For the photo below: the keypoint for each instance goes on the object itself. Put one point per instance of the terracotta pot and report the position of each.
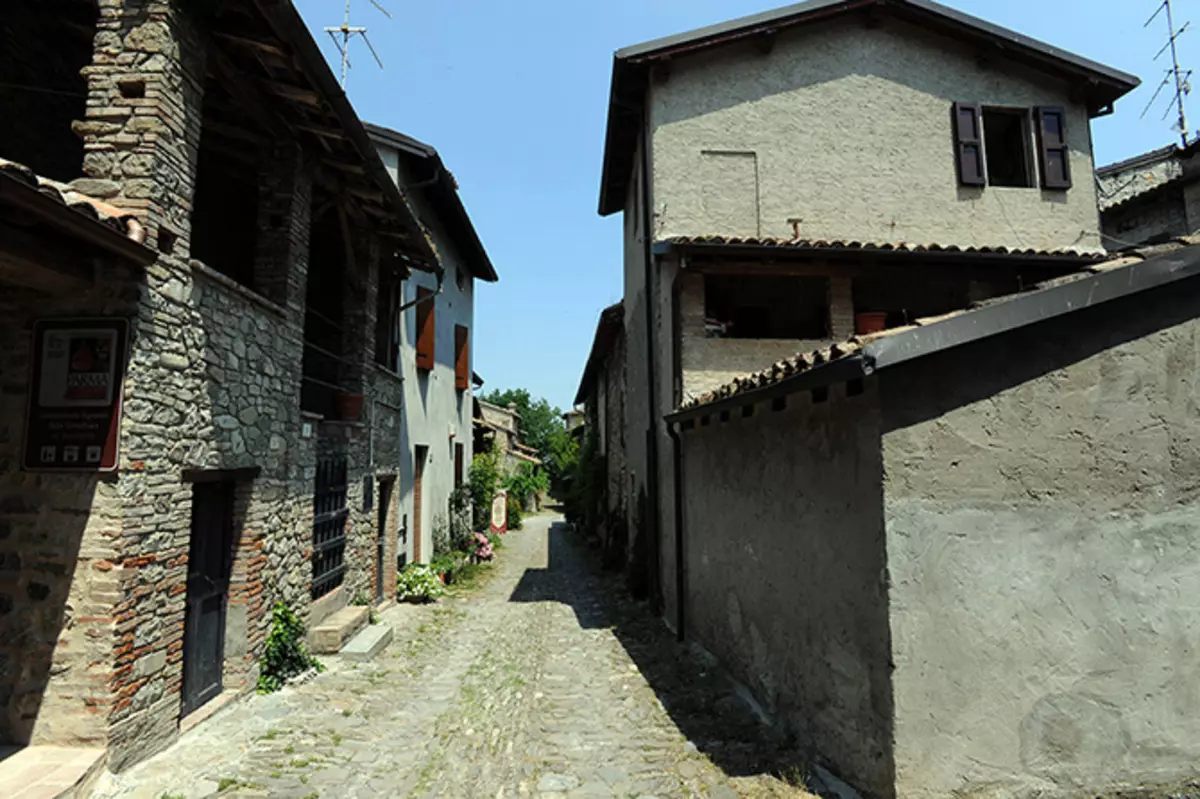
(869, 322)
(349, 407)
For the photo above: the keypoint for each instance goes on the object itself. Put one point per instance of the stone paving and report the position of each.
(543, 682)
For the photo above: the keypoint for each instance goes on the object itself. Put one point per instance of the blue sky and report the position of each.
(514, 94)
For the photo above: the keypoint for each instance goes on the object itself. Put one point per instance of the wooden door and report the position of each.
(421, 454)
(386, 487)
(209, 562)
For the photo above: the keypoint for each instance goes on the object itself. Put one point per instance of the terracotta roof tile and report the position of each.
(871, 246)
(116, 218)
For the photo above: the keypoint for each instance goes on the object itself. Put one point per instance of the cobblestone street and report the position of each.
(543, 682)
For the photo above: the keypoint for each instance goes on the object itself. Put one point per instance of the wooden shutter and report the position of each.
(462, 360)
(968, 140)
(426, 327)
(1054, 156)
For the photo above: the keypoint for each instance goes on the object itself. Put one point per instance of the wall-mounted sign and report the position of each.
(74, 418)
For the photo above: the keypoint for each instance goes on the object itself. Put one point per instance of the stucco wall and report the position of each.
(436, 414)
(848, 128)
(637, 391)
(1157, 216)
(1044, 554)
(785, 571)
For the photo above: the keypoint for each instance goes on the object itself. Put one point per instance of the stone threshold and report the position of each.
(209, 709)
(49, 772)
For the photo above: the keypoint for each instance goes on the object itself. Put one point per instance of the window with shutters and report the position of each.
(994, 146)
(462, 358)
(426, 329)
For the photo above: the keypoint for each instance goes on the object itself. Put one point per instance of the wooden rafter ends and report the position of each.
(254, 44)
(327, 133)
(290, 92)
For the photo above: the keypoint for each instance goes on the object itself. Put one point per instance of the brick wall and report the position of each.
(59, 549)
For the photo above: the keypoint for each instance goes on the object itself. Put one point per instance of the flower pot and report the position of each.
(349, 406)
(869, 322)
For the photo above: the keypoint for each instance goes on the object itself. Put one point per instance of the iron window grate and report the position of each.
(330, 514)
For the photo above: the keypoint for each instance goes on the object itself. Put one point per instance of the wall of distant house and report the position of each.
(1044, 554)
(436, 414)
(785, 572)
(1157, 217)
(847, 128)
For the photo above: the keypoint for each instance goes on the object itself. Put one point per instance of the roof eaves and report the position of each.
(73, 214)
(446, 197)
(612, 319)
(286, 22)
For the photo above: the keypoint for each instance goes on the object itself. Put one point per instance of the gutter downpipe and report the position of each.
(680, 568)
(656, 599)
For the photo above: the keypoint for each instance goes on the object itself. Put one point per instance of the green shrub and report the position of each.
(441, 534)
(461, 520)
(286, 654)
(482, 480)
(418, 583)
(515, 513)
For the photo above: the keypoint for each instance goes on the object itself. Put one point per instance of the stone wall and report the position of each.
(1042, 549)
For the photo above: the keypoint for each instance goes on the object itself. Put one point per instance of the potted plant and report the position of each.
(868, 322)
(349, 406)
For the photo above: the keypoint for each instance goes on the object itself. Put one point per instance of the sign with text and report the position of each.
(74, 418)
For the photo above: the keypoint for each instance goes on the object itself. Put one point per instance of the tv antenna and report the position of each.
(1182, 78)
(342, 35)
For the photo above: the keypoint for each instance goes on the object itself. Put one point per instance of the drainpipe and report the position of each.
(651, 360)
(680, 567)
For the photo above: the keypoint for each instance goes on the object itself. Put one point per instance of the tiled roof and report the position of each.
(871, 246)
(118, 219)
(803, 362)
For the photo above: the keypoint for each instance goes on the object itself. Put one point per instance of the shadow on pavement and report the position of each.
(701, 700)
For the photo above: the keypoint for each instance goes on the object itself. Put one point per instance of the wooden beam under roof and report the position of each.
(289, 91)
(253, 44)
(251, 101)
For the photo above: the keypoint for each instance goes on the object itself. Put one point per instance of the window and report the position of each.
(993, 146)
(387, 320)
(426, 330)
(460, 458)
(1006, 147)
(762, 307)
(462, 358)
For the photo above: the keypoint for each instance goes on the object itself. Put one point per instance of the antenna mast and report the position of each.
(1182, 78)
(342, 35)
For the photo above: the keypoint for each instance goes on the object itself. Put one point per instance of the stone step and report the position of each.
(335, 631)
(367, 644)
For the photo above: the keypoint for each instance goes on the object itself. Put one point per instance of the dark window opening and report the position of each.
(43, 47)
(325, 368)
(916, 296)
(387, 319)
(762, 307)
(225, 205)
(820, 395)
(1006, 137)
(855, 388)
(779, 404)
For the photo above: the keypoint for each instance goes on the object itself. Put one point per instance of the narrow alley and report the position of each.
(545, 681)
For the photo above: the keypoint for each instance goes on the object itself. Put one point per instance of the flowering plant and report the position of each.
(482, 548)
(418, 583)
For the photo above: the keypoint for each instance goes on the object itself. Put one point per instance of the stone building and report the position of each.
(433, 342)
(792, 177)
(1151, 198)
(196, 419)
(602, 395)
(953, 558)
